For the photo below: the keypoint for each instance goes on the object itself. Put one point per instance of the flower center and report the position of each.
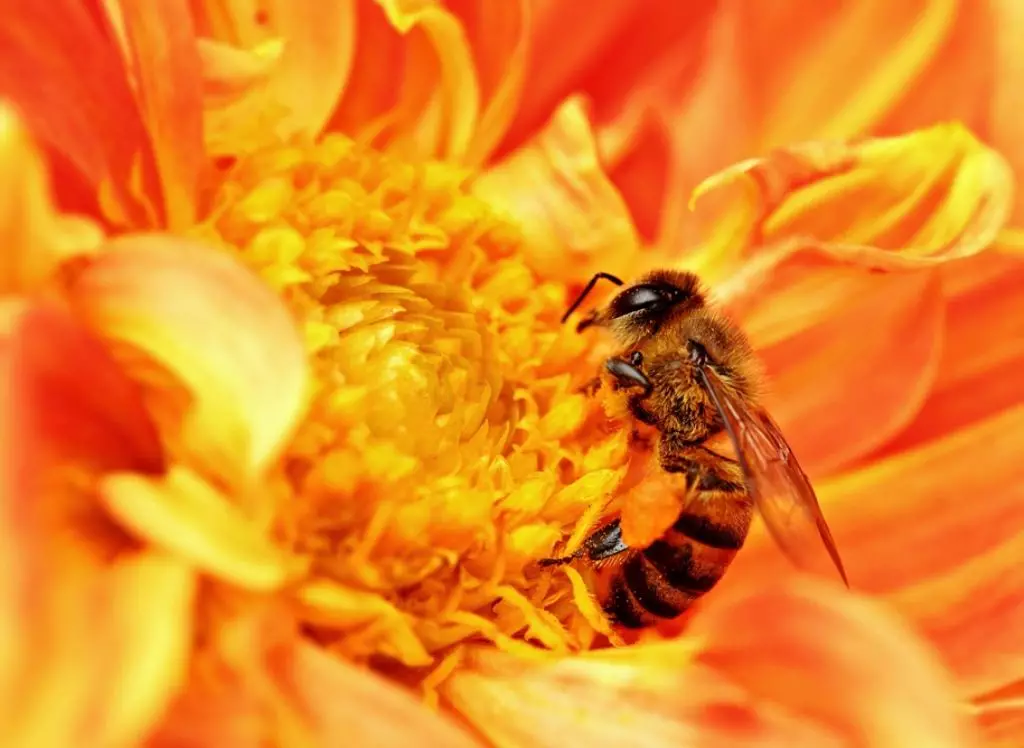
(446, 448)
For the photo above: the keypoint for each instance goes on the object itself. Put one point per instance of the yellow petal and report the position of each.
(893, 203)
(217, 329)
(151, 616)
(182, 513)
(36, 236)
(309, 47)
(574, 220)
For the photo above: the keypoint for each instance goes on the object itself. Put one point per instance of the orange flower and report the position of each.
(291, 510)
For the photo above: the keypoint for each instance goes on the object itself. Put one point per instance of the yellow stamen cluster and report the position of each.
(446, 448)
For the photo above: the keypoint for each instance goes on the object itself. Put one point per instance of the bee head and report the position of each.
(640, 310)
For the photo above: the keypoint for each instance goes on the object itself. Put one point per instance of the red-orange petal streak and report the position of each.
(83, 403)
(162, 43)
(63, 72)
(36, 236)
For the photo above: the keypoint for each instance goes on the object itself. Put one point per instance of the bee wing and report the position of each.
(776, 482)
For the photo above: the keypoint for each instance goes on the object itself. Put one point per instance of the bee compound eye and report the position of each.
(636, 358)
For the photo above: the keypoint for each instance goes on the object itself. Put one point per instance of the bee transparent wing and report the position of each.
(778, 485)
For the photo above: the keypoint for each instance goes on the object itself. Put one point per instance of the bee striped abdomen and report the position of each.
(664, 579)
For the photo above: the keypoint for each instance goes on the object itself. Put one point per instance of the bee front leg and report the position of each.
(603, 545)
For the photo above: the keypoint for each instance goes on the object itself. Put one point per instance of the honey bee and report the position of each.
(689, 373)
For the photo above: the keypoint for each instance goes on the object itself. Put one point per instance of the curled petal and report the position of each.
(274, 70)
(63, 73)
(217, 330)
(229, 73)
(574, 220)
(444, 117)
(162, 45)
(186, 515)
(36, 236)
(498, 36)
(797, 665)
(319, 47)
(891, 203)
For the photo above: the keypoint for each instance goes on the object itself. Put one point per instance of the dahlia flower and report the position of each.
(290, 415)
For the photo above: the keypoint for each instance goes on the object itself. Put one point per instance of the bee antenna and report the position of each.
(586, 291)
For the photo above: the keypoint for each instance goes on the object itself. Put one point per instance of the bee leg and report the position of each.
(603, 544)
(628, 375)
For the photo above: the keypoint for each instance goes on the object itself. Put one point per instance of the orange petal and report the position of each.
(371, 711)
(299, 55)
(798, 665)
(110, 654)
(318, 54)
(573, 219)
(439, 114)
(184, 514)
(1006, 97)
(83, 406)
(36, 236)
(217, 330)
(611, 52)
(982, 353)
(162, 43)
(681, 122)
(63, 74)
(902, 202)
(907, 527)
(850, 355)
(821, 642)
(1000, 716)
(835, 71)
(229, 73)
(498, 38)
(148, 629)
(21, 461)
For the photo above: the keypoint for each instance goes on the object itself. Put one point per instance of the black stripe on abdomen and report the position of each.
(710, 533)
(651, 590)
(675, 562)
